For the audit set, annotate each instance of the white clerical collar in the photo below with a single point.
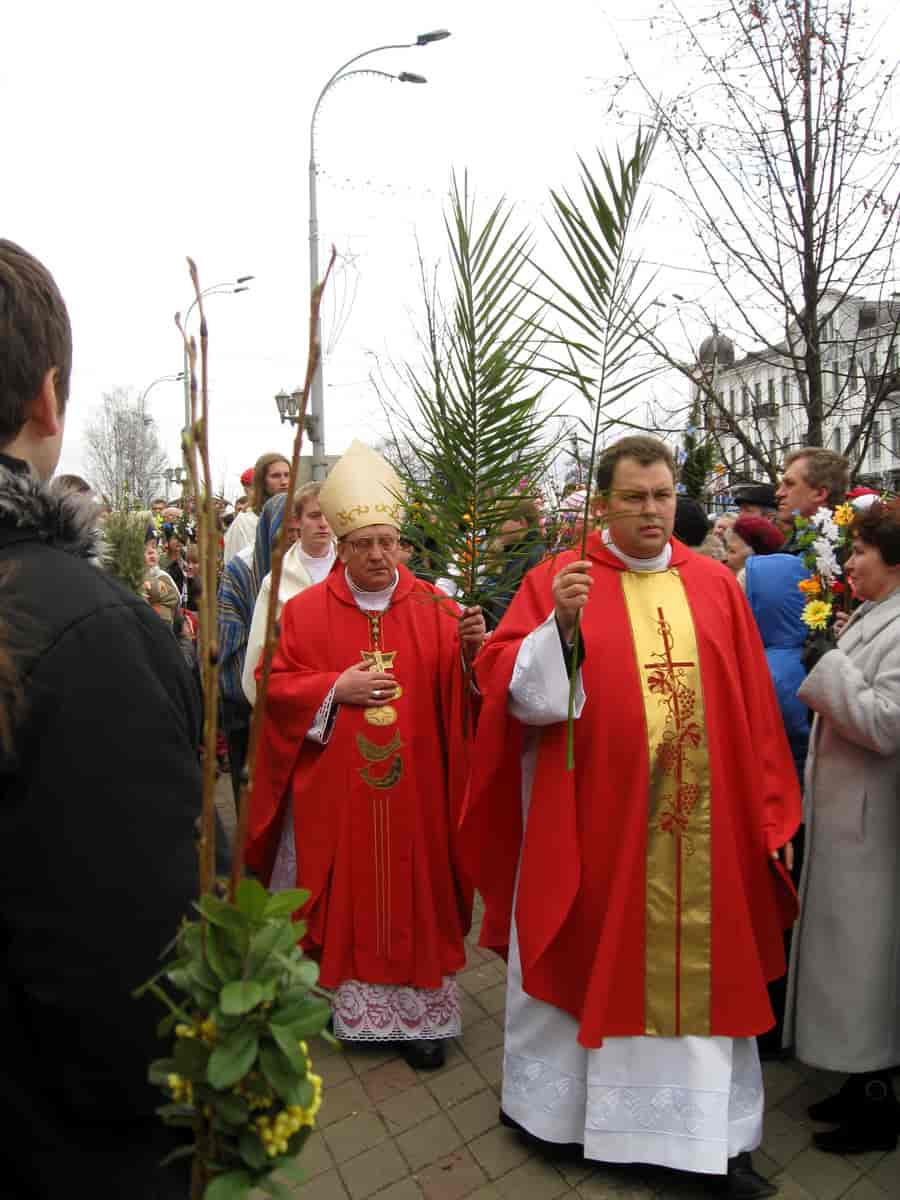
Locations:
(318, 565)
(659, 562)
(372, 601)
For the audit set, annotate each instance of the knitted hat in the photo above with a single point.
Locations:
(862, 498)
(760, 535)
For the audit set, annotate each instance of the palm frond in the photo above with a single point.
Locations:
(477, 421)
(599, 302)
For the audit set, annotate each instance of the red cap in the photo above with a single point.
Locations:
(247, 477)
(760, 535)
(861, 491)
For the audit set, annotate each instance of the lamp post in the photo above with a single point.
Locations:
(317, 407)
(229, 287)
(174, 475)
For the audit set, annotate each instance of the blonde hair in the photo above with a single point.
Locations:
(307, 492)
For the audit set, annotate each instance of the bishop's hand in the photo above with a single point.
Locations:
(571, 588)
(359, 684)
(472, 630)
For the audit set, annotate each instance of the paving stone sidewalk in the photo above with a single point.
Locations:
(392, 1133)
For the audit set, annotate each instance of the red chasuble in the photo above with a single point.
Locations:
(648, 902)
(376, 810)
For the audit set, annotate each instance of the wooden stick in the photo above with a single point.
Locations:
(259, 708)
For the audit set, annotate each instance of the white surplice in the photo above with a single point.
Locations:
(690, 1103)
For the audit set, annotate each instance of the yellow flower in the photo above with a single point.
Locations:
(816, 614)
(844, 514)
(810, 587)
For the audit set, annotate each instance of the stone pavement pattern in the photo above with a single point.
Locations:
(391, 1133)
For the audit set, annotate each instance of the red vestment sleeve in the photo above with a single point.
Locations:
(295, 695)
(491, 830)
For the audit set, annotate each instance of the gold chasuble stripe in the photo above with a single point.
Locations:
(679, 864)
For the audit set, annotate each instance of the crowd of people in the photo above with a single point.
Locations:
(634, 754)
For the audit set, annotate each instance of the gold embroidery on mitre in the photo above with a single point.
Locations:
(374, 753)
(394, 775)
(678, 944)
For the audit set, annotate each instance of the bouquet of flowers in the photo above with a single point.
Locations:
(823, 537)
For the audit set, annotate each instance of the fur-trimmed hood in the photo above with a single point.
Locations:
(30, 507)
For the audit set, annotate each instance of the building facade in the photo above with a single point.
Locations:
(761, 394)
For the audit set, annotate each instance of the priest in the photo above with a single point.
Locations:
(641, 896)
(364, 756)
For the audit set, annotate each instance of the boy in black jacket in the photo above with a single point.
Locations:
(99, 792)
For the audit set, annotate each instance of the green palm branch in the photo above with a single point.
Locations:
(477, 425)
(600, 306)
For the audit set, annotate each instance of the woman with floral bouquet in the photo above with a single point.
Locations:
(843, 1012)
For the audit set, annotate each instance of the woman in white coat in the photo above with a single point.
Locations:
(844, 988)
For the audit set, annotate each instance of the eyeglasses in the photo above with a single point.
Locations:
(365, 545)
(639, 499)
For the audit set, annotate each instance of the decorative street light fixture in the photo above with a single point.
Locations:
(229, 287)
(316, 420)
(176, 475)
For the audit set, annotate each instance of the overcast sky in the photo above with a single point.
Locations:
(134, 135)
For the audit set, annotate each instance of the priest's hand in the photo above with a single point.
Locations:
(571, 589)
(359, 684)
(472, 631)
(786, 854)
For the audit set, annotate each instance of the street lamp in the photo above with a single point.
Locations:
(176, 475)
(229, 287)
(317, 407)
(289, 411)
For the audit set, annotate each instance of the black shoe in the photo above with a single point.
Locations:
(423, 1055)
(871, 1123)
(743, 1183)
(837, 1108)
(561, 1152)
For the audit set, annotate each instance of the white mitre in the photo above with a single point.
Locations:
(362, 489)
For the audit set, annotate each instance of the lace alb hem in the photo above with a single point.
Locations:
(284, 872)
(382, 1012)
(540, 1085)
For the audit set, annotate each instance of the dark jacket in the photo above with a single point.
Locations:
(514, 563)
(97, 808)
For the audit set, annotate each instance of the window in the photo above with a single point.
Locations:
(895, 437)
(835, 379)
(785, 390)
(731, 400)
(873, 364)
(875, 441)
(771, 392)
(757, 392)
(854, 375)
(836, 439)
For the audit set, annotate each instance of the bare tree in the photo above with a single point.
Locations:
(784, 162)
(124, 455)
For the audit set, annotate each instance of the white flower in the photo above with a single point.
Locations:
(826, 563)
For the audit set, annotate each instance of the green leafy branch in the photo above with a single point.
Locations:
(248, 1000)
